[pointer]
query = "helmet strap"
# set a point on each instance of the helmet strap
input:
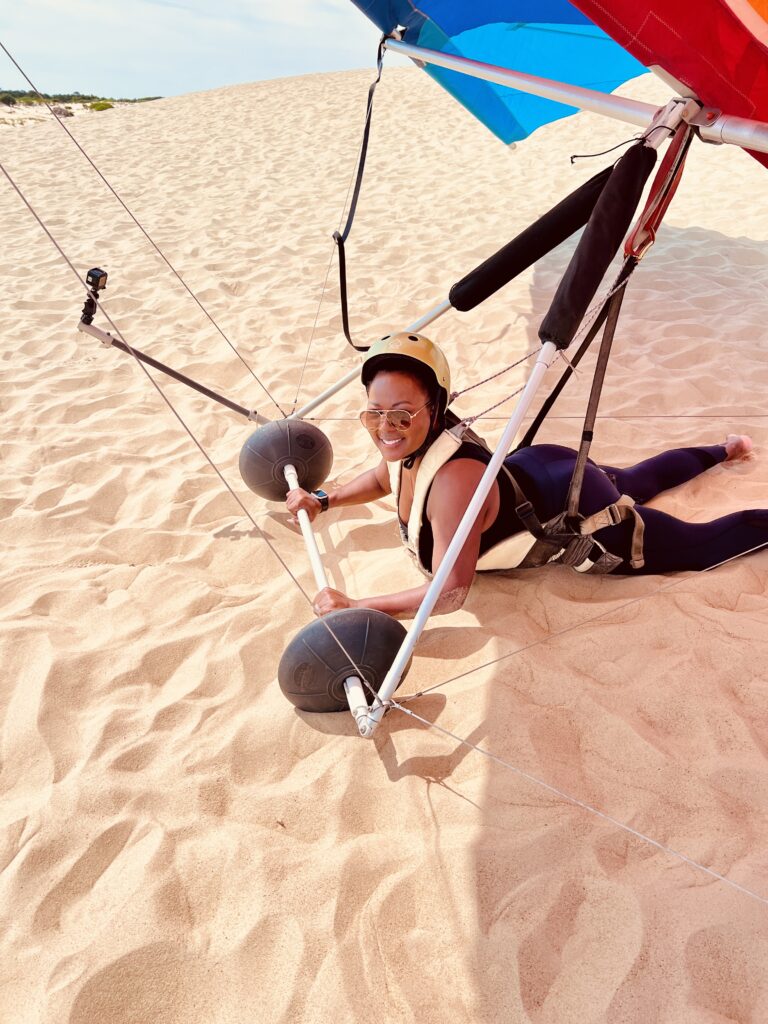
(434, 430)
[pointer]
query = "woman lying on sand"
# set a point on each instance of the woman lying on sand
(433, 473)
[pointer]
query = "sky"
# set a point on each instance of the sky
(131, 48)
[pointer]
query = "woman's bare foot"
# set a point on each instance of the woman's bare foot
(737, 446)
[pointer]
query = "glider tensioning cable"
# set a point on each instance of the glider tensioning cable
(392, 703)
(582, 622)
(154, 383)
(93, 297)
(140, 226)
(588, 317)
(398, 705)
(198, 444)
(340, 235)
(636, 833)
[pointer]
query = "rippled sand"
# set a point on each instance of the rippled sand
(179, 845)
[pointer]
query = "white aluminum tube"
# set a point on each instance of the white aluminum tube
(736, 131)
(725, 128)
(328, 393)
(388, 687)
(306, 528)
(358, 702)
(433, 314)
(630, 111)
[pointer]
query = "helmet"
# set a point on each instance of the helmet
(410, 346)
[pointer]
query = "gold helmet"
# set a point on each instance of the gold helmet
(410, 346)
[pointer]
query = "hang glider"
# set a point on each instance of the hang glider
(715, 51)
(719, 70)
(463, 42)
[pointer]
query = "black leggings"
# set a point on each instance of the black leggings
(670, 545)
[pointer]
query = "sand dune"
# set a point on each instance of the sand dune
(180, 845)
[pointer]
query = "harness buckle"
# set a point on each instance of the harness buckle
(614, 514)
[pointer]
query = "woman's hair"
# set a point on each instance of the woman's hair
(412, 368)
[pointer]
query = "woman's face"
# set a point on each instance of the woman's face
(392, 390)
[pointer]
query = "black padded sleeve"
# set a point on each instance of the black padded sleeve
(602, 237)
(530, 245)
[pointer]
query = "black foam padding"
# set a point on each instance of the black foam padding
(530, 245)
(348, 642)
(285, 442)
(598, 245)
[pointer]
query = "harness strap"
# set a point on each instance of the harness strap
(574, 491)
(523, 508)
(541, 415)
(558, 539)
(614, 514)
(341, 237)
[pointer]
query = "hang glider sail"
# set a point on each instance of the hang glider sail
(549, 38)
(717, 50)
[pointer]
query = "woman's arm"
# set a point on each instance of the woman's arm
(368, 486)
(451, 492)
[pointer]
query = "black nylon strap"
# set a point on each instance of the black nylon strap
(614, 308)
(542, 414)
(341, 237)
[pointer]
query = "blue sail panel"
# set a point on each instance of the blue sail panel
(548, 38)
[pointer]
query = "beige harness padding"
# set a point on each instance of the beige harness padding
(614, 514)
(524, 549)
(507, 554)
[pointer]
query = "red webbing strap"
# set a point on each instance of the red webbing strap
(643, 234)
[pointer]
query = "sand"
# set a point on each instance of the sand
(179, 844)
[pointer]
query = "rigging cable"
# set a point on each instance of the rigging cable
(155, 384)
(399, 705)
(199, 445)
(140, 226)
(393, 703)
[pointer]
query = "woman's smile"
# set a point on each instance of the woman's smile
(392, 392)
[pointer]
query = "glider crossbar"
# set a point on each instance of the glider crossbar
(735, 131)
(110, 341)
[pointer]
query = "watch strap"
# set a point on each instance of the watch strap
(322, 497)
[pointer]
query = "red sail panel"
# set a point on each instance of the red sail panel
(719, 48)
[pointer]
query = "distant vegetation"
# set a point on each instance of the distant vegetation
(10, 97)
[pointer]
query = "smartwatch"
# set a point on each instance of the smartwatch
(322, 497)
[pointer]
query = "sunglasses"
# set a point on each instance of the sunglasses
(398, 419)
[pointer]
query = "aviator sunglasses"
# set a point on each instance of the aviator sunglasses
(398, 419)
